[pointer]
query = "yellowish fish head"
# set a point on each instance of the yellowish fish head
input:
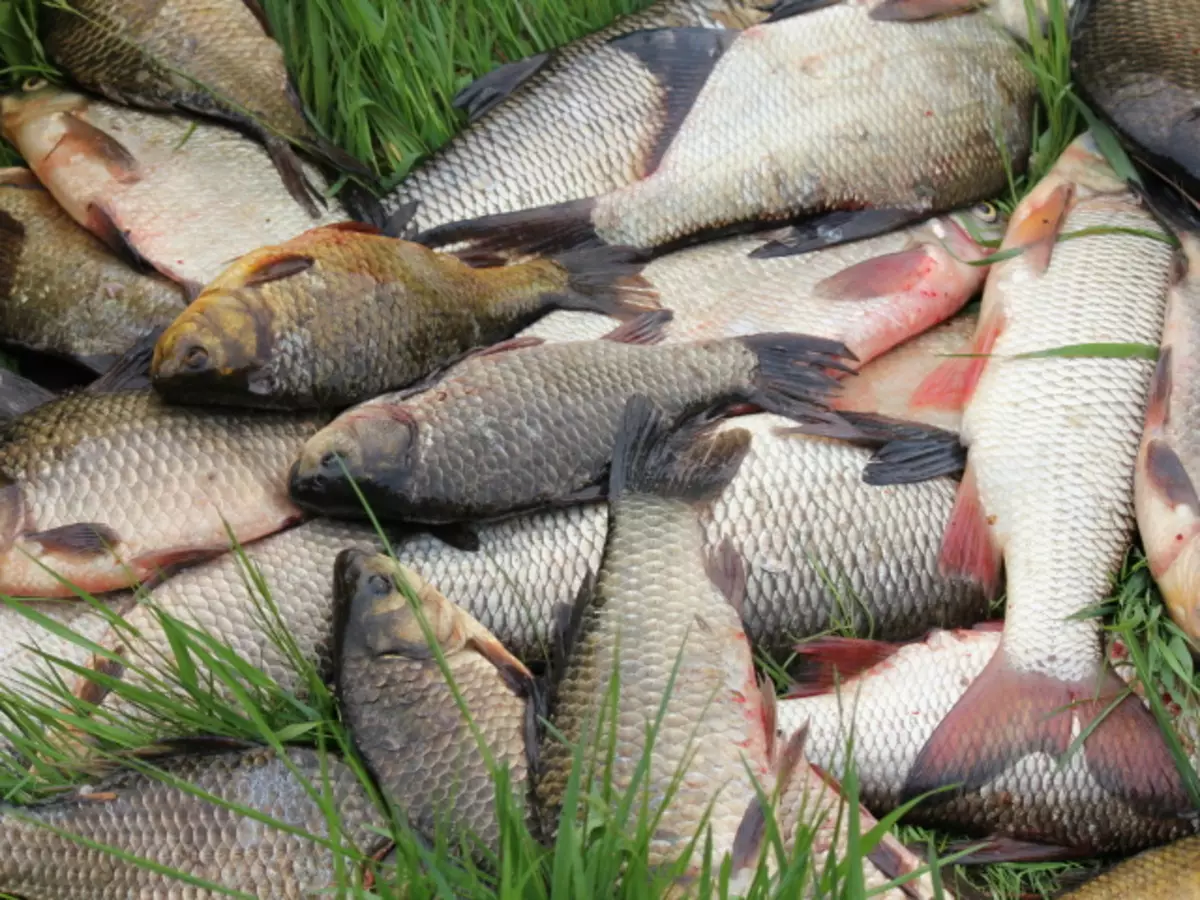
(371, 448)
(217, 349)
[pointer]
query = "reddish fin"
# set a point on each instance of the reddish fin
(1036, 230)
(829, 661)
(1158, 413)
(1166, 473)
(967, 547)
(748, 841)
(91, 691)
(727, 570)
(1003, 850)
(894, 273)
(649, 328)
(82, 539)
(918, 10)
(278, 266)
(511, 669)
(951, 385)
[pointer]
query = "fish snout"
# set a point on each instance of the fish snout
(322, 478)
(216, 342)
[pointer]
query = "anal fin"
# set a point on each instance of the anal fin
(81, 539)
(952, 384)
(968, 547)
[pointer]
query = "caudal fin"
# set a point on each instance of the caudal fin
(794, 375)
(691, 462)
(606, 280)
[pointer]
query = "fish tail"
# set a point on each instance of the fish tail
(1008, 713)
(605, 280)
(291, 171)
(793, 375)
(688, 462)
(543, 230)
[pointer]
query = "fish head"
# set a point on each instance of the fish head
(372, 447)
(217, 349)
(23, 111)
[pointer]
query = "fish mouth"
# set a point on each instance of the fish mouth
(347, 570)
(323, 492)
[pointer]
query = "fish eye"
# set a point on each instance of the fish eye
(379, 585)
(196, 357)
(34, 83)
(988, 213)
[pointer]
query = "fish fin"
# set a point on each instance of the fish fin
(278, 266)
(100, 223)
(952, 384)
(120, 163)
(999, 849)
(680, 59)
(568, 625)
(1036, 228)
(512, 670)
(589, 494)
(896, 439)
(81, 539)
(792, 377)
(833, 228)
(967, 547)
(1166, 473)
(726, 569)
(460, 536)
(88, 689)
(489, 90)
(830, 661)
(648, 328)
(913, 460)
(605, 280)
(163, 562)
(545, 229)
(397, 224)
(517, 343)
(19, 395)
(689, 463)
(131, 371)
(326, 151)
(892, 273)
(22, 179)
(918, 10)
(770, 715)
(12, 241)
(1158, 412)
(192, 745)
(291, 172)
(785, 9)
(752, 830)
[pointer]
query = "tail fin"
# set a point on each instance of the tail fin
(291, 171)
(793, 376)
(543, 230)
(689, 463)
(606, 280)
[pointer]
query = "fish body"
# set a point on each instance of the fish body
(403, 713)
(870, 295)
(895, 121)
(61, 290)
(579, 121)
(1164, 873)
(341, 314)
(1048, 487)
(107, 489)
(1135, 64)
(513, 431)
(1168, 508)
(896, 704)
(150, 819)
(188, 198)
(214, 57)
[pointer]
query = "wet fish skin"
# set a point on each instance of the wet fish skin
(147, 818)
(527, 428)
(186, 197)
(895, 705)
(402, 712)
(342, 314)
(530, 149)
(108, 488)
(924, 142)
(214, 57)
(61, 290)
(1168, 509)
(1134, 64)
(1164, 873)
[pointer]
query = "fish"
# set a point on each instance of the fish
(1048, 488)
(895, 697)
(19, 395)
(106, 489)
(933, 134)
(342, 314)
(404, 716)
(870, 295)
(1163, 873)
(151, 818)
(216, 58)
(180, 196)
(1168, 508)
(528, 426)
(594, 110)
(64, 292)
(1134, 65)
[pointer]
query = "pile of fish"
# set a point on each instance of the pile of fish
(666, 361)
